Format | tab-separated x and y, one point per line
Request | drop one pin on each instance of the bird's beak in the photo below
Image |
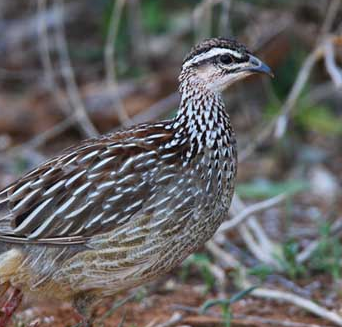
255	65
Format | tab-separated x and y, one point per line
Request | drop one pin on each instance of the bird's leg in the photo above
3	289
9	307
83	320
84	302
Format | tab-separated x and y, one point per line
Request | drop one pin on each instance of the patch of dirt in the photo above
158	308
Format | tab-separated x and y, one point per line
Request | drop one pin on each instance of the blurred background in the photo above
71	70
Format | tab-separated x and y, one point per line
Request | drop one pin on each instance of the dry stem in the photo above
109	58
249	211
69	77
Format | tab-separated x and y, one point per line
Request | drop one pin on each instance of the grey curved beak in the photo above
257	66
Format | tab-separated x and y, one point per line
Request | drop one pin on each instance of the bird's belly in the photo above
156	246
33	270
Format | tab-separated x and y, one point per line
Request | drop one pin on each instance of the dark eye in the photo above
226	59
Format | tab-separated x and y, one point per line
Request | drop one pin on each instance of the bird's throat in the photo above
203	119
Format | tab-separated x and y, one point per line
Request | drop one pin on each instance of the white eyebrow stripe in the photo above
212	53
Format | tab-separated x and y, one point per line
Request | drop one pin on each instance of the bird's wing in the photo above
90	189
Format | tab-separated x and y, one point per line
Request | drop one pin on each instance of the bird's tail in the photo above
10	261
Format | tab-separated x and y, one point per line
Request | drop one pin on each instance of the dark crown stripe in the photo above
209	44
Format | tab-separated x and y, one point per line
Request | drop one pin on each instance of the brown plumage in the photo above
117	211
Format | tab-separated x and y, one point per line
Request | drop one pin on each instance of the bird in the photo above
120	210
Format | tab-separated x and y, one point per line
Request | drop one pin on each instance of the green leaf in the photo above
202	263
237	297
154	16
213	302
261	271
326	258
227	302
288	259
319	119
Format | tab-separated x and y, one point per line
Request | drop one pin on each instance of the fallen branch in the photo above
238	319
175	319
299	302
254	236
225	259
311	248
276	322
249	211
243	283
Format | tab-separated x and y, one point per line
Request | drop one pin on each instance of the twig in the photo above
279	123
44	53
332	12
176	318
225	19
245	318
289	285
299	302
321	92
263	249
288	297
69	77
225	259
329	58
302	77
276	322
158	109
136	31
187	308
24	29
255	248
311	248
202	18
306	69
288	105
250	210
43	137
219	274
109	57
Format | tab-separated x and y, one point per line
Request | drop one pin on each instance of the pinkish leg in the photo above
6	312
3	289
82	321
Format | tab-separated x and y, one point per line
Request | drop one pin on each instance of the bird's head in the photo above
217	63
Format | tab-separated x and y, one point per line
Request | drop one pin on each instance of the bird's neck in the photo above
202	118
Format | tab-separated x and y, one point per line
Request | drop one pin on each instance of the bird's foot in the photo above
82	320
9	307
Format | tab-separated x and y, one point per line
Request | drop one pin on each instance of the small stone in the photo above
323	183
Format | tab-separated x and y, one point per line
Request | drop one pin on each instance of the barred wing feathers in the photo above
91	189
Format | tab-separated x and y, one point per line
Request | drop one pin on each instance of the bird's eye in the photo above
226	59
